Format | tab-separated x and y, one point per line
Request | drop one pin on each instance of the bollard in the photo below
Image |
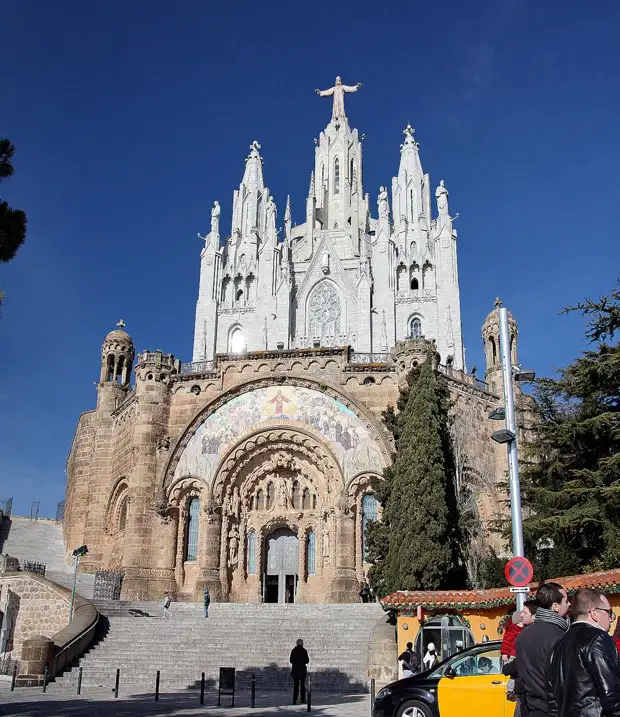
202	689
45	679
372	695
253	694
79	684
157	687
309	695
14	678
118	679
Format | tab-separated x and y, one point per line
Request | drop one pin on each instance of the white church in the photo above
341	278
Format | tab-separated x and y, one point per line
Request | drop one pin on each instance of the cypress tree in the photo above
415	547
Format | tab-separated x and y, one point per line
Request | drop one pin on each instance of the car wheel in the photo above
413	708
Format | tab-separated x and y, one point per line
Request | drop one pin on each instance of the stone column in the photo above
37	652
345	586
209	558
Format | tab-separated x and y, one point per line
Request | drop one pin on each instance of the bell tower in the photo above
117	354
490	339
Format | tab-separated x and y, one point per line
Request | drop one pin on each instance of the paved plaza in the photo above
32	702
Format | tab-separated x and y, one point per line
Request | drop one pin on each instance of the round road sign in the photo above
519	572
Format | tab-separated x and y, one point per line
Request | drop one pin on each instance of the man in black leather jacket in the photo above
584	673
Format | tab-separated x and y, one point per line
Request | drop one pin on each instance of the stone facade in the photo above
249	470
29	607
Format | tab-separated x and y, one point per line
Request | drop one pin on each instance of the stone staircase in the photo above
255	639
41	541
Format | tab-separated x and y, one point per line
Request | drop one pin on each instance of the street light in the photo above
77	554
497	414
524	374
503	436
509	436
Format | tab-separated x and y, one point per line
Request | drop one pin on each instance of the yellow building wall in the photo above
482	622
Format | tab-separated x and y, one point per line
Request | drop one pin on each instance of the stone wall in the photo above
124	449
36	608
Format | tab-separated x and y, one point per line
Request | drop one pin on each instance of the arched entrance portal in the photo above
281	566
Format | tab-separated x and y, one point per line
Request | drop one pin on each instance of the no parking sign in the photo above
519	572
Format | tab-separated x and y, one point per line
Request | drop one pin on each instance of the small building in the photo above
456	619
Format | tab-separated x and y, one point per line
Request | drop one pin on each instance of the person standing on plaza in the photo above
167	601
584	673
206	600
299	660
534	647
410	661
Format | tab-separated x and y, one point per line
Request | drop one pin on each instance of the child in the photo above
513	628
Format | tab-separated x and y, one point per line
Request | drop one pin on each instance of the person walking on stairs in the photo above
299	659
206	599
167	601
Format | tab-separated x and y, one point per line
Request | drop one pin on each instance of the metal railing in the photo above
31	566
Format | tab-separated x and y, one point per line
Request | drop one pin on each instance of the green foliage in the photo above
12	221
571	475
492	573
416	545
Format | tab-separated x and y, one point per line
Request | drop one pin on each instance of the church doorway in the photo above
281	566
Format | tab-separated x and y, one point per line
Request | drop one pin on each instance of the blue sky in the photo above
131	118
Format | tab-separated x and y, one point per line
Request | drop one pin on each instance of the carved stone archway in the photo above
284	478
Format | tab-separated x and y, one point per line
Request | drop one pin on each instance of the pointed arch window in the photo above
493	351
311	552
236	342
191	543
122	517
336	176
369	512
296	494
305	499
270	495
416	328
251	553
260	500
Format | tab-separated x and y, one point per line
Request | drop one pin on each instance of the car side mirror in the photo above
449	672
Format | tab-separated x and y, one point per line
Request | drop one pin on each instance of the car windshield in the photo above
479	661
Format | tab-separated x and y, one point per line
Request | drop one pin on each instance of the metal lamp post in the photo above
77	554
508	435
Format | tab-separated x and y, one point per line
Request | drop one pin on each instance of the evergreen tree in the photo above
416	545
571	476
12	221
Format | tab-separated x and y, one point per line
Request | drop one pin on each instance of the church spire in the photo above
409	193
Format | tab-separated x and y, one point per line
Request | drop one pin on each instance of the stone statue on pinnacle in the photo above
338	91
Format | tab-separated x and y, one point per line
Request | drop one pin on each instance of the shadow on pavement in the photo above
31	703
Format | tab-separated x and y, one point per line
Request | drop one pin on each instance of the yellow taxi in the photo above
468	683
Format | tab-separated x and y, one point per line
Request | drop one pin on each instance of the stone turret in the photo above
491	341
117	355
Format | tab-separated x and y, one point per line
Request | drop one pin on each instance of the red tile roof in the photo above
607	581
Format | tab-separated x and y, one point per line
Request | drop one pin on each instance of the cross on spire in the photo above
121	325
